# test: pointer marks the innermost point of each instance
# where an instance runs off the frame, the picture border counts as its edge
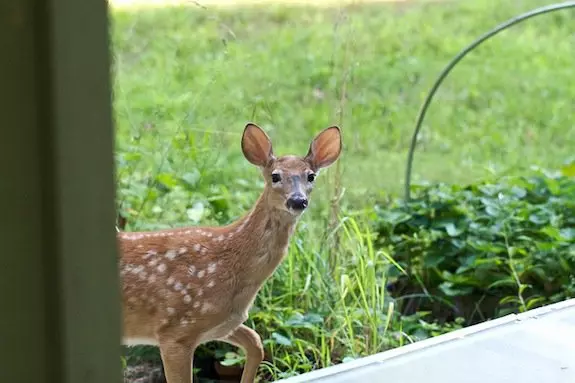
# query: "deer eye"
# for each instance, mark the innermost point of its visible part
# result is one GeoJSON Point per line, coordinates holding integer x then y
{"type": "Point", "coordinates": [276, 178]}
{"type": "Point", "coordinates": [311, 177]}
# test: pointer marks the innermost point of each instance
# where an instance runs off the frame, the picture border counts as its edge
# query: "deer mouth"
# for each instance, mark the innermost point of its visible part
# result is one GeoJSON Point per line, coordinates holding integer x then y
{"type": "Point", "coordinates": [295, 212]}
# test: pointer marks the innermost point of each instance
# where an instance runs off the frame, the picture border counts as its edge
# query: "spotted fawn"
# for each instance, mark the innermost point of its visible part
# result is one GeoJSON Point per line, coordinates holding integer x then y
{"type": "Point", "coordinates": [187, 286]}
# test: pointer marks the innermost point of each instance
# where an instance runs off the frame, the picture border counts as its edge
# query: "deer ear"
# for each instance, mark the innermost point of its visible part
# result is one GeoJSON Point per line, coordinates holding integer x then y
{"type": "Point", "coordinates": [256, 145]}
{"type": "Point", "coordinates": [325, 148]}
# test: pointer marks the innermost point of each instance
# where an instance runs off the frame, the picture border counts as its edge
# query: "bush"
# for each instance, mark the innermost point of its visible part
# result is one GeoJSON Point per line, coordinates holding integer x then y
{"type": "Point", "coordinates": [483, 250]}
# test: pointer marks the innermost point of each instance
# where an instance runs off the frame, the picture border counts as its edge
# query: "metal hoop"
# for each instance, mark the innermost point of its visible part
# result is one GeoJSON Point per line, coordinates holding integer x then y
{"type": "Point", "coordinates": [451, 65]}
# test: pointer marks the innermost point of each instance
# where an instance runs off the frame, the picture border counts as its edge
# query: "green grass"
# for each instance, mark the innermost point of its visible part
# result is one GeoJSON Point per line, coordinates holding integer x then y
{"type": "Point", "coordinates": [187, 79]}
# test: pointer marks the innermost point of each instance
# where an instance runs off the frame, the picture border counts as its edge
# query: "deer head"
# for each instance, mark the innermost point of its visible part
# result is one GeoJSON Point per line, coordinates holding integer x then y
{"type": "Point", "coordinates": [290, 179]}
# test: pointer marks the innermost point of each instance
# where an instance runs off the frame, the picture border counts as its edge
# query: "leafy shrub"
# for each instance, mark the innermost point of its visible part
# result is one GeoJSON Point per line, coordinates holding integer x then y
{"type": "Point", "coordinates": [486, 249]}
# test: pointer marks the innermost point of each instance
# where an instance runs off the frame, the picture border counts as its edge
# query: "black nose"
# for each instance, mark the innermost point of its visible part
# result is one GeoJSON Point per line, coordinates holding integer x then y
{"type": "Point", "coordinates": [297, 202]}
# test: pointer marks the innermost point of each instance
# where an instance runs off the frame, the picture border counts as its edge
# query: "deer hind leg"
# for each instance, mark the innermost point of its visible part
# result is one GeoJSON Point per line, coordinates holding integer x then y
{"type": "Point", "coordinates": [251, 343]}
{"type": "Point", "coordinates": [177, 359]}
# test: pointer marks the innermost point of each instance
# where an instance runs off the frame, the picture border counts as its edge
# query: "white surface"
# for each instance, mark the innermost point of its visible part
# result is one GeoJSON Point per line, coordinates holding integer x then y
{"type": "Point", "coordinates": [535, 347]}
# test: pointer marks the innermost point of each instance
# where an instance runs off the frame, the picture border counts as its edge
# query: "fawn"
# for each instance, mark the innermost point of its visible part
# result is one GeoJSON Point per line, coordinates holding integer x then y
{"type": "Point", "coordinates": [186, 286]}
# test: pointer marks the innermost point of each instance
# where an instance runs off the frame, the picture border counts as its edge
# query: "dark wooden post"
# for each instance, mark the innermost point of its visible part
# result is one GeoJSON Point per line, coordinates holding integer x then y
{"type": "Point", "coordinates": [59, 293]}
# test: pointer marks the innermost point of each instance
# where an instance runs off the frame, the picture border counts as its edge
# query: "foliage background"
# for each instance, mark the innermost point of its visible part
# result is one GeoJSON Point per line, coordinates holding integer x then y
{"type": "Point", "coordinates": [485, 235]}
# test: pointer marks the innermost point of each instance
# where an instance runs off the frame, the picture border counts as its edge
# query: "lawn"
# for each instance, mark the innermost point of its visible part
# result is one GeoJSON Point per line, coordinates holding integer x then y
{"type": "Point", "coordinates": [187, 78]}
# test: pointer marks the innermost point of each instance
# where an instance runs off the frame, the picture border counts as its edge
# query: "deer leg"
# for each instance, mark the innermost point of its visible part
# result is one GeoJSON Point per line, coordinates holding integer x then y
{"type": "Point", "coordinates": [177, 359]}
{"type": "Point", "coordinates": [251, 343]}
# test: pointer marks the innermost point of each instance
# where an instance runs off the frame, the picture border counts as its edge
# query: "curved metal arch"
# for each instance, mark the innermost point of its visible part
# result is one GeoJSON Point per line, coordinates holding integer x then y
{"type": "Point", "coordinates": [451, 65]}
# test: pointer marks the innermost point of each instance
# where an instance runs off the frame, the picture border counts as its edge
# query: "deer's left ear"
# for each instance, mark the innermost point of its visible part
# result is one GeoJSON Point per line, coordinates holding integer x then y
{"type": "Point", "coordinates": [325, 148]}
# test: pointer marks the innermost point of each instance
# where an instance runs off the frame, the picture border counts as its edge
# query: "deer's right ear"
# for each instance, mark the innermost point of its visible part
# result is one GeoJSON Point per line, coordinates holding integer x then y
{"type": "Point", "coordinates": [256, 145]}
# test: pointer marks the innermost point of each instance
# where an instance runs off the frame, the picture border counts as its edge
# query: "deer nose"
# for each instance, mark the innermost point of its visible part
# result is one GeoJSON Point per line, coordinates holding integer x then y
{"type": "Point", "coordinates": [297, 202]}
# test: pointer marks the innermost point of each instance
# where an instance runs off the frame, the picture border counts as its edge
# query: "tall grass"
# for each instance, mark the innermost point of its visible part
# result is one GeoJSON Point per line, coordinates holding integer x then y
{"type": "Point", "coordinates": [327, 313]}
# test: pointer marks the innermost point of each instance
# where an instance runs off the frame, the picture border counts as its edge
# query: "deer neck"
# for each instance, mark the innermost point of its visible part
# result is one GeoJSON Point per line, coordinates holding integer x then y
{"type": "Point", "coordinates": [264, 235]}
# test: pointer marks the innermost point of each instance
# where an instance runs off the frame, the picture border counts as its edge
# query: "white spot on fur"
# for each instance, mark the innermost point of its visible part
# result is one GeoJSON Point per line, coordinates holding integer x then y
{"type": "Point", "coordinates": [220, 238]}
{"type": "Point", "coordinates": [178, 286]}
{"type": "Point", "coordinates": [150, 253]}
{"type": "Point", "coordinates": [192, 270]}
{"type": "Point", "coordinates": [196, 304]}
{"type": "Point", "coordinates": [138, 269]}
{"type": "Point", "coordinates": [152, 278]}
{"type": "Point", "coordinates": [143, 275]}
{"type": "Point", "coordinates": [132, 237]}
{"type": "Point", "coordinates": [206, 307]}
{"type": "Point", "coordinates": [139, 342]}
{"type": "Point", "coordinates": [200, 292]}
{"type": "Point", "coordinates": [211, 284]}
{"type": "Point", "coordinates": [171, 254]}
{"type": "Point", "coordinates": [170, 281]}
{"type": "Point", "coordinates": [204, 250]}
{"type": "Point", "coordinates": [201, 273]}
{"type": "Point", "coordinates": [211, 268]}
{"type": "Point", "coordinates": [188, 286]}
{"type": "Point", "coordinates": [187, 298]}
{"type": "Point", "coordinates": [162, 268]}
{"type": "Point", "coordinates": [197, 247]}
{"type": "Point", "coordinates": [128, 268]}
{"type": "Point", "coordinates": [153, 262]}
{"type": "Point", "coordinates": [209, 235]}
{"type": "Point", "coordinates": [164, 321]}
{"type": "Point", "coordinates": [184, 322]}
{"type": "Point", "coordinates": [182, 250]}
{"type": "Point", "coordinates": [171, 311]}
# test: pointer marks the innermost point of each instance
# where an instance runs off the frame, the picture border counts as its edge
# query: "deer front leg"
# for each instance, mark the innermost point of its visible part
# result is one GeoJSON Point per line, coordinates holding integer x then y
{"type": "Point", "coordinates": [251, 343]}
{"type": "Point", "coordinates": [178, 360]}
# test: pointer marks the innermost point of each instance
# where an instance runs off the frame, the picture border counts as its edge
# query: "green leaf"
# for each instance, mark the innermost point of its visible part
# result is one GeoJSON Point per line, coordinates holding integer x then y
{"type": "Point", "coordinates": [231, 359]}
{"type": "Point", "coordinates": [507, 282]}
{"type": "Point", "coordinates": [518, 192]}
{"type": "Point", "coordinates": [568, 234]}
{"type": "Point", "coordinates": [452, 230]}
{"type": "Point", "coordinates": [492, 210]}
{"type": "Point", "coordinates": [568, 170]}
{"type": "Point", "coordinates": [347, 359]}
{"type": "Point", "coordinates": [191, 179]}
{"type": "Point", "coordinates": [539, 218]}
{"type": "Point", "coordinates": [280, 339]}
{"type": "Point", "coordinates": [196, 212]}
{"type": "Point", "coordinates": [433, 259]}
{"type": "Point", "coordinates": [394, 217]}
{"type": "Point", "coordinates": [167, 180]}
{"type": "Point", "coordinates": [452, 290]}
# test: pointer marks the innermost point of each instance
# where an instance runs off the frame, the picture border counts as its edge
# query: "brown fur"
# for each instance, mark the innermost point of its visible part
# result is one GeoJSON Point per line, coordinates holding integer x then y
{"type": "Point", "coordinates": [187, 286]}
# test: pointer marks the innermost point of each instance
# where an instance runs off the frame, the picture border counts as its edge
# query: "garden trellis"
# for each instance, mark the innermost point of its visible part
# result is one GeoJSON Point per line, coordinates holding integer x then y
{"type": "Point", "coordinates": [425, 106]}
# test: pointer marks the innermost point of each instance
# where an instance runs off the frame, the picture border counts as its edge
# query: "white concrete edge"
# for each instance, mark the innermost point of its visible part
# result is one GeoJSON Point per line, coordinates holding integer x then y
{"type": "Point", "coordinates": [430, 342]}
